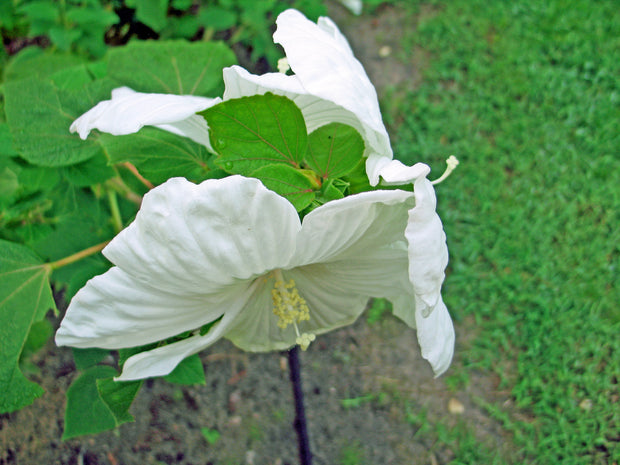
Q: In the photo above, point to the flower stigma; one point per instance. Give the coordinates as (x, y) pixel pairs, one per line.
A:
(290, 308)
(452, 162)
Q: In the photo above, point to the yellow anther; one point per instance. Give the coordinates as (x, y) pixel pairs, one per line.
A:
(290, 308)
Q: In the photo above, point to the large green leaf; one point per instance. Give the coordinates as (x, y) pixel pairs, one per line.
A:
(39, 114)
(252, 132)
(158, 155)
(33, 62)
(172, 67)
(334, 150)
(25, 297)
(96, 403)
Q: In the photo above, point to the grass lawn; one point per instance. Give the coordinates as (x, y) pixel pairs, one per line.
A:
(527, 95)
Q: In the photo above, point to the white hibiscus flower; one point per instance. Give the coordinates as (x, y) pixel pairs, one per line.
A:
(233, 253)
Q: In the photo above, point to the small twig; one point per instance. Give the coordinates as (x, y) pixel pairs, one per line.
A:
(133, 170)
(76, 256)
(305, 456)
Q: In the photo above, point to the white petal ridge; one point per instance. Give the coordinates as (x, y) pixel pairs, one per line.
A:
(128, 111)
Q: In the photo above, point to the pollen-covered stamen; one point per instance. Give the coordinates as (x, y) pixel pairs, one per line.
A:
(290, 308)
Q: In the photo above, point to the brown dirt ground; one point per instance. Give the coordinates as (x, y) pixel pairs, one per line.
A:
(248, 399)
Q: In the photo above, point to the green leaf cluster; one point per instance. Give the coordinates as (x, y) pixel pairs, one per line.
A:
(265, 136)
(61, 196)
(70, 25)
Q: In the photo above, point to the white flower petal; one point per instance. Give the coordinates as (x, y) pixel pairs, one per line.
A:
(114, 311)
(428, 252)
(196, 239)
(161, 361)
(128, 111)
(321, 58)
(316, 111)
(348, 226)
(336, 293)
(396, 173)
(436, 337)
(195, 128)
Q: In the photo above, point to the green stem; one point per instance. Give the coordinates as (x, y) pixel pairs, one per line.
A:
(76, 256)
(116, 213)
(123, 189)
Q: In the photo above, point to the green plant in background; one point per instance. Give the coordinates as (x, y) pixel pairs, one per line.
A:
(88, 26)
(69, 24)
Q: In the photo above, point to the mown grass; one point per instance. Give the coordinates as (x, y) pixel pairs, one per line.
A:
(527, 95)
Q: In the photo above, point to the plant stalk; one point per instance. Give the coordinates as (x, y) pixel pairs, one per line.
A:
(300, 424)
(77, 256)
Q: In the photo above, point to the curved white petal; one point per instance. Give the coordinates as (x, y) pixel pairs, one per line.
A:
(316, 111)
(436, 337)
(396, 173)
(195, 128)
(114, 311)
(197, 239)
(128, 111)
(336, 293)
(428, 252)
(162, 360)
(322, 60)
(355, 224)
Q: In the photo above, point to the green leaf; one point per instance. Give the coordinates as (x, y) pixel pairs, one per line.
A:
(174, 67)
(86, 412)
(334, 150)
(189, 371)
(251, 132)
(152, 13)
(40, 332)
(217, 18)
(6, 142)
(64, 38)
(118, 396)
(32, 62)
(93, 171)
(211, 435)
(25, 298)
(40, 114)
(289, 182)
(158, 155)
(86, 358)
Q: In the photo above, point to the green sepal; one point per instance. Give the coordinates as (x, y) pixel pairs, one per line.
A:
(25, 298)
(334, 150)
(249, 133)
(288, 182)
(190, 371)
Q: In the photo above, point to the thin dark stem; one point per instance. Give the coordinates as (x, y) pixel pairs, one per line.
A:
(305, 456)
